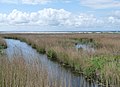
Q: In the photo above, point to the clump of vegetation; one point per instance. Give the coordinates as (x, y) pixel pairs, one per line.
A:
(84, 40)
(52, 54)
(2, 45)
(41, 50)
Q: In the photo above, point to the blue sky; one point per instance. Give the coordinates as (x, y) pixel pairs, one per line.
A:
(61, 15)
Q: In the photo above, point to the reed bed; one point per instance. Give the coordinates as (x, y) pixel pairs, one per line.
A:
(103, 65)
(2, 43)
(17, 72)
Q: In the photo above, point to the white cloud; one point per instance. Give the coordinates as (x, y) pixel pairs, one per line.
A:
(114, 19)
(55, 17)
(49, 16)
(9, 1)
(2, 18)
(26, 1)
(100, 4)
(35, 1)
(116, 14)
(18, 17)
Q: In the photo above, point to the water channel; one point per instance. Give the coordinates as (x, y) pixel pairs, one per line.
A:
(55, 70)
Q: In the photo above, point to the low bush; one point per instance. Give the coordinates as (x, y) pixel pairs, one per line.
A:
(52, 54)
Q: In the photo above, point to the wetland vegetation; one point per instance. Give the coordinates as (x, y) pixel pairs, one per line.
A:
(101, 65)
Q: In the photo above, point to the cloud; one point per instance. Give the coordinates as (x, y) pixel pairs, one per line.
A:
(100, 4)
(26, 1)
(2, 17)
(9, 1)
(116, 14)
(35, 1)
(49, 17)
(58, 17)
(114, 19)
(17, 17)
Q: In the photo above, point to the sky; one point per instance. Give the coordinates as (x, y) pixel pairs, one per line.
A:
(59, 15)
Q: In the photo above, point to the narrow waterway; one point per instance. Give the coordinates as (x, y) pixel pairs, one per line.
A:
(18, 48)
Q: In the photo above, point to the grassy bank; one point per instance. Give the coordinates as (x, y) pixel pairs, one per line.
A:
(102, 65)
(2, 45)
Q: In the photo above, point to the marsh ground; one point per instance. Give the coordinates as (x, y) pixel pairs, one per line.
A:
(102, 64)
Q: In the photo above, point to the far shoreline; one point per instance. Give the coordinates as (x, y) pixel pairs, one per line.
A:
(55, 32)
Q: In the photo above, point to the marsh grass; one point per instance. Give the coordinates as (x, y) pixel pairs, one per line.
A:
(102, 66)
(3, 45)
(17, 72)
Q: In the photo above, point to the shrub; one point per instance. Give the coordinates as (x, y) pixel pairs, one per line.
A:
(52, 54)
(41, 50)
